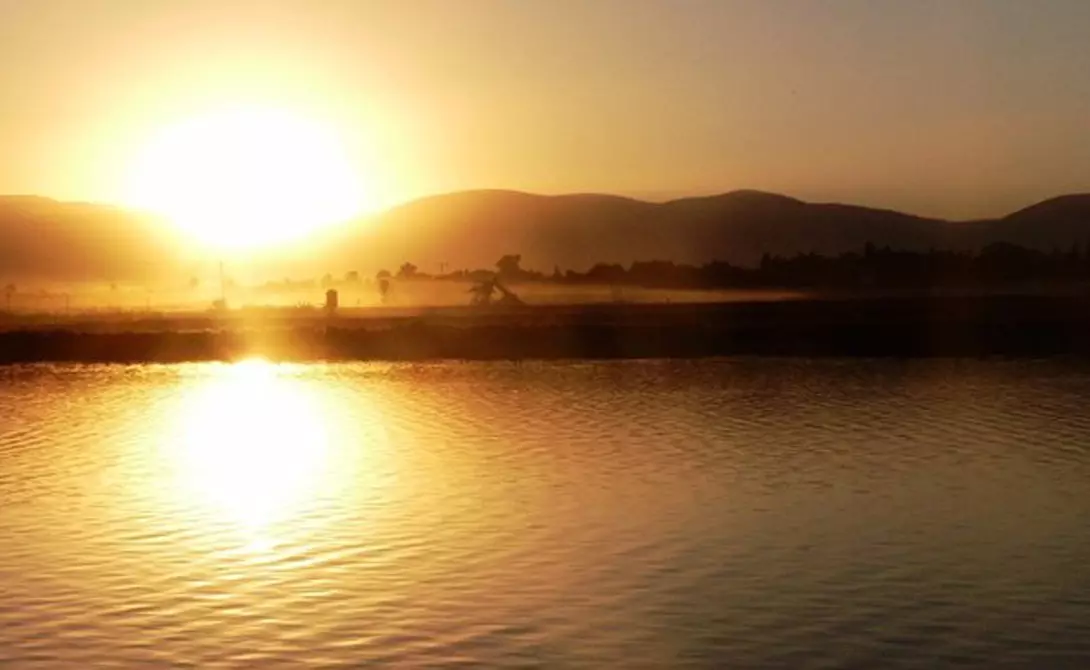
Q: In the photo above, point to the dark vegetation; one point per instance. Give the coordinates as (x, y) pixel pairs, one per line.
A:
(899, 327)
(996, 265)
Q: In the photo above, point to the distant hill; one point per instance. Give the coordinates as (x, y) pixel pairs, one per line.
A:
(1057, 222)
(473, 228)
(45, 239)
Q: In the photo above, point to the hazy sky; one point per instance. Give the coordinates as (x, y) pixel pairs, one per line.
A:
(947, 107)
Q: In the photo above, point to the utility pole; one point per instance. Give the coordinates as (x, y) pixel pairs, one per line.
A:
(223, 287)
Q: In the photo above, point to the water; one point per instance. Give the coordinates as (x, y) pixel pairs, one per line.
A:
(749, 513)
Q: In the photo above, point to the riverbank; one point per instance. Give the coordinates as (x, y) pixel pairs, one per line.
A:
(903, 327)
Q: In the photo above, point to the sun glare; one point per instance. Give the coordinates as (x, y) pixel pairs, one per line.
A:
(253, 443)
(248, 178)
(265, 449)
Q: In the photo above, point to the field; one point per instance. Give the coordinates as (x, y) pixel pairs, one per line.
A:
(103, 302)
(770, 324)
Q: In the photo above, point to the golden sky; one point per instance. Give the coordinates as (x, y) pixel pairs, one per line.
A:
(961, 109)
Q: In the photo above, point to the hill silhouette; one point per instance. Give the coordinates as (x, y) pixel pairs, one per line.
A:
(47, 240)
(50, 240)
(473, 228)
(1057, 222)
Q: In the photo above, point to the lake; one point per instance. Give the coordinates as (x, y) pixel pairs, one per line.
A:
(749, 513)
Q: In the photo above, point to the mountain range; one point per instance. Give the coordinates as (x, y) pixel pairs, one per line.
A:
(48, 240)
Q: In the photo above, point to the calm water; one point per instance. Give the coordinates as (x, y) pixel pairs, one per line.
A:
(634, 514)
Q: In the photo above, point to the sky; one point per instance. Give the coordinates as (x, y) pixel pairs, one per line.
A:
(958, 108)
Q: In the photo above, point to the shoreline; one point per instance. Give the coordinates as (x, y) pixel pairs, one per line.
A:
(905, 327)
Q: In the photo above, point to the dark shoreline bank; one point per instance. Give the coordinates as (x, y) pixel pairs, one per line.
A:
(911, 327)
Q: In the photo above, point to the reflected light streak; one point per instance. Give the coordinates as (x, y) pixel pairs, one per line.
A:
(252, 445)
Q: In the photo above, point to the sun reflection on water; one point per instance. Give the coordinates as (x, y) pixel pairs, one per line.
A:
(252, 445)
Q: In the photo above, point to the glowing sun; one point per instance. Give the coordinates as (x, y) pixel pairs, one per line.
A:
(248, 178)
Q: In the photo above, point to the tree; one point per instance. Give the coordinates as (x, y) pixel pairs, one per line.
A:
(327, 280)
(407, 271)
(606, 273)
(352, 277)
(382, 274)
(510, 266)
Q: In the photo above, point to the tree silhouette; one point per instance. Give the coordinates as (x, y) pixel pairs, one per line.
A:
(383, 279)
(509, 266)
(407, 271)
(871, 268)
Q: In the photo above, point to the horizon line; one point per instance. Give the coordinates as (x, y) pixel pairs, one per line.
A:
(571, 194)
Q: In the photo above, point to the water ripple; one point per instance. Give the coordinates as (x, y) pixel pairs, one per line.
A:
(734, 513)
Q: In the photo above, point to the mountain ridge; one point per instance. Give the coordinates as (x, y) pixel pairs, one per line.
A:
(48, 239)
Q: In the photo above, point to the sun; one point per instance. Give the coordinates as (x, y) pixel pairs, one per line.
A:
(247, 178)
